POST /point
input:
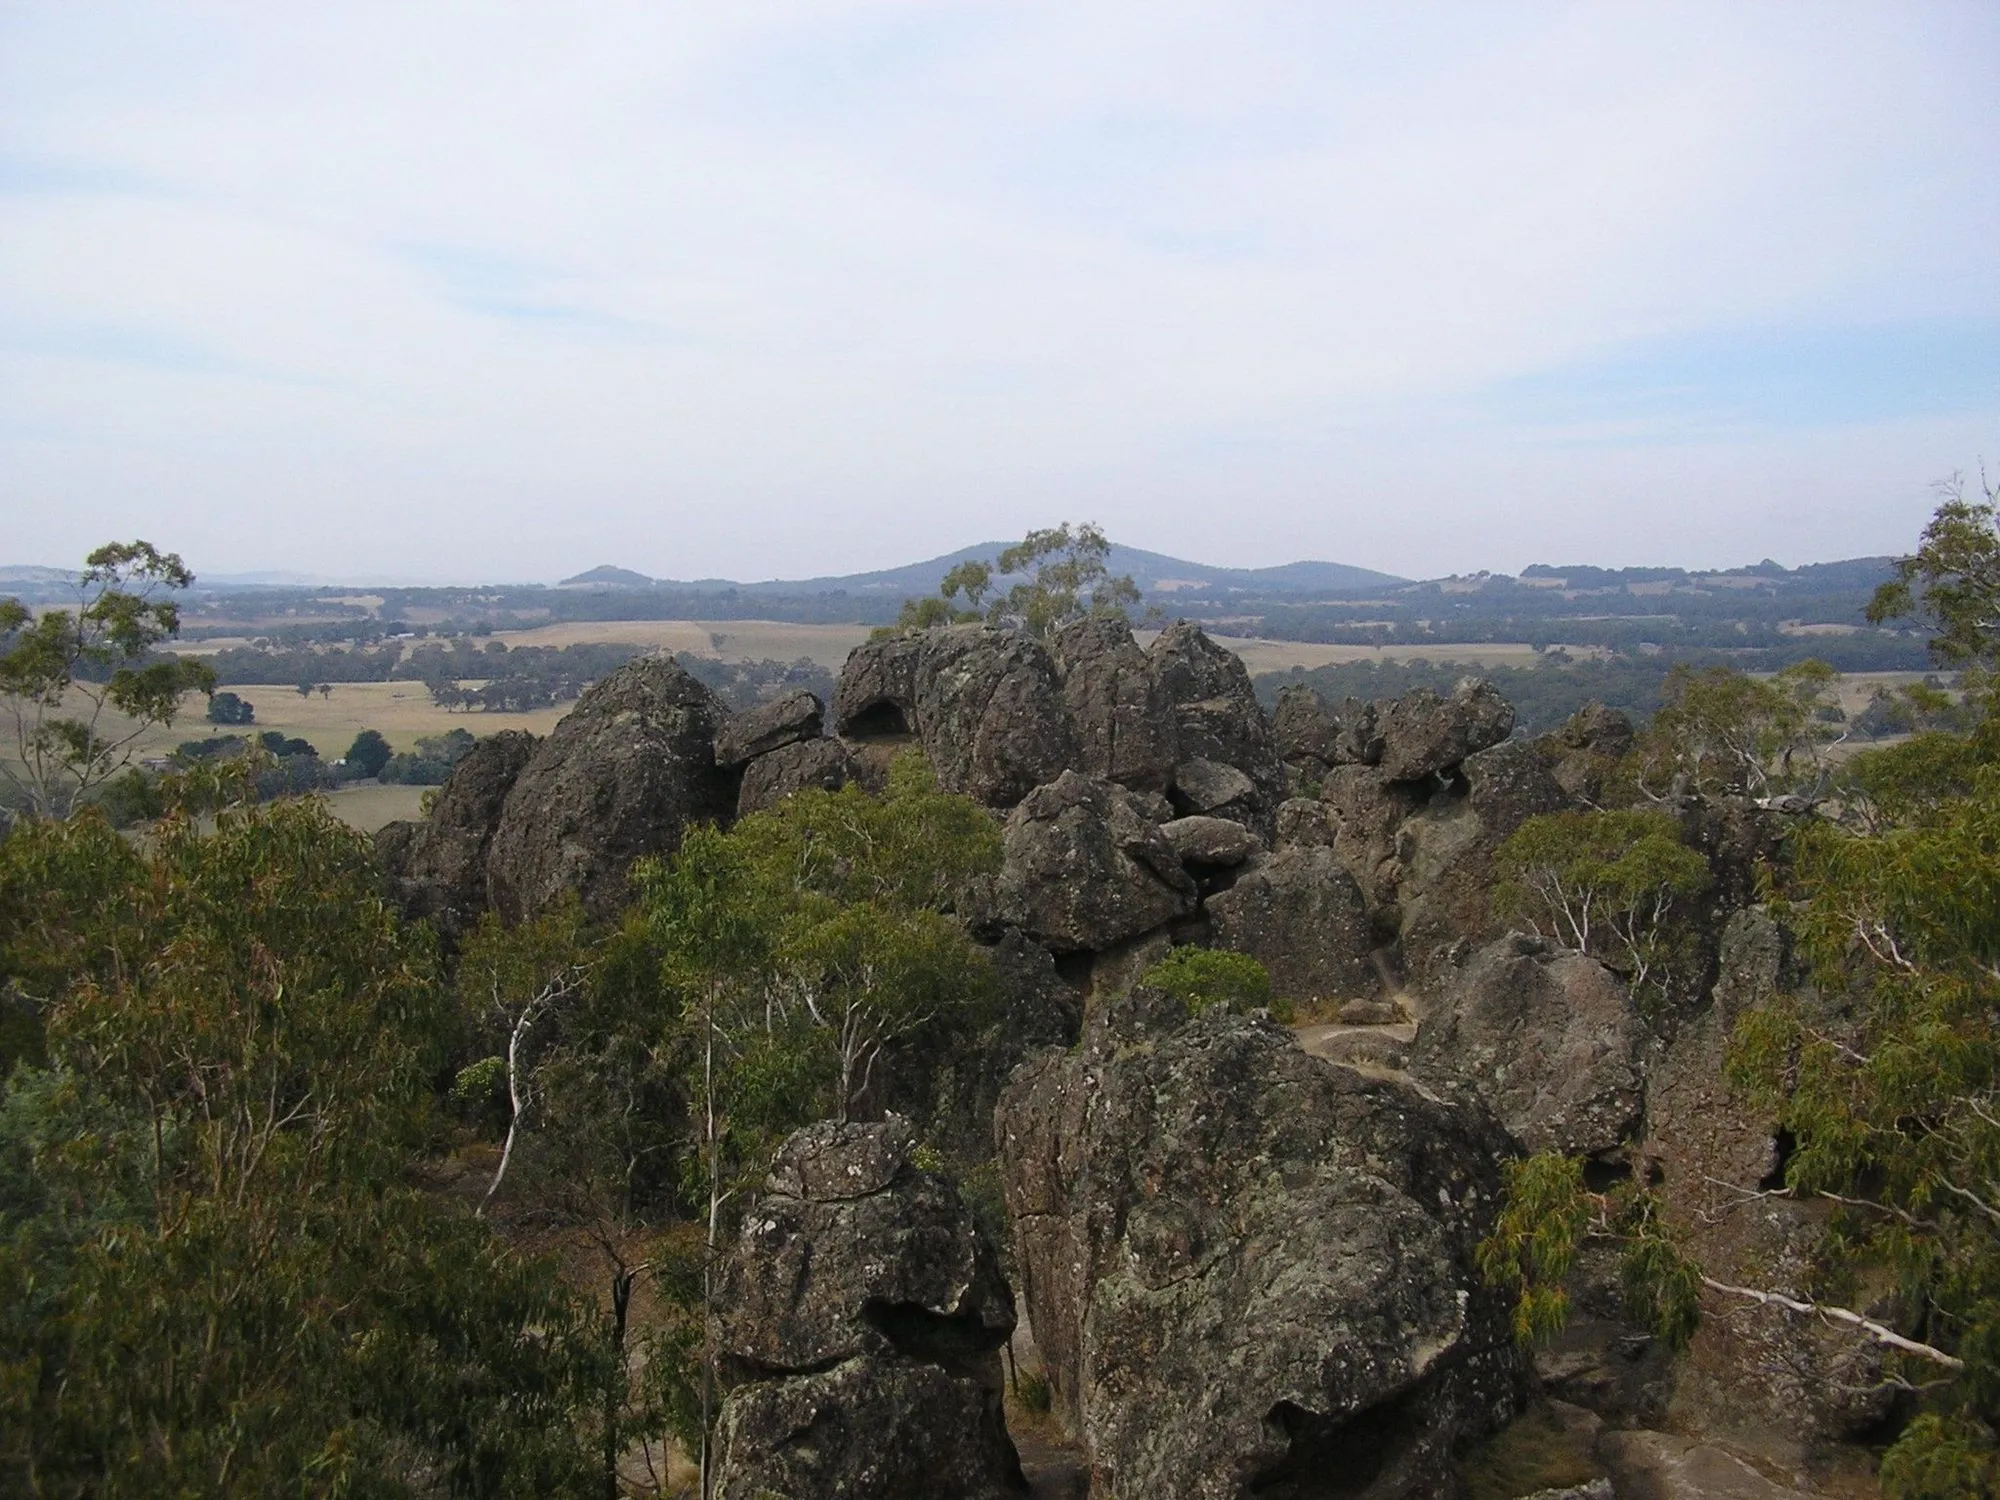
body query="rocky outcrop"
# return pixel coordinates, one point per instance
(1710, 1152)
(1300, 914)
(991, 714)
(769, 726)
(877, 691)
(1086, 868)
(1423, 734)
(1249, 1269)
(1549, 1040)
(863, 1312)
(1444, 858)
(1122, 716)
(1211, 841)
(621, 776)
(809, 765)
(1368, 810)
(437, 868)
(1306, 732)
(1219, 718)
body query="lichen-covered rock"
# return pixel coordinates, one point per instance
(623, 773)
(1369, 809)
(1308, 823)
(863, 1312)
(877, 691)
(1549, 1040)
(1215, 788)
(1300, 914)
(436, 868)
(1306, 731)
(1423, 733)
(1123, 717)
(809, 765)
(1085, 868)
(870, 1428)
(991, 714)
(1211, 841)
(1250, 1270)
(1218, 716)
(758, 731)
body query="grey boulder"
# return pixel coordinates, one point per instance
(1549, 1040)
(621, 776)
(1122, 714)
(809, 765)
(436, 868)
(1423, 734)
(1211, 841)
(758, 731)
(1085, 868)
(1301, 915)
(1249, 1269)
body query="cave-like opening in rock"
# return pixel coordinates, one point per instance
(878, 721)
(1337, 1458)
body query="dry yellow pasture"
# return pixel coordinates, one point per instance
(368, 805)
(741, 640)
(1281, 656)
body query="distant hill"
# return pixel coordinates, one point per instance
(607, 576)
(1154, 572)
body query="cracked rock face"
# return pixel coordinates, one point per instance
(1125, 728)
(1423, 734)
(863, 1314)
(807, 765)
(1251, 1270)
(1301, 915)
(437, 867)
(758, 731)
(1086, 868)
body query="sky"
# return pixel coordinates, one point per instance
(503, 290)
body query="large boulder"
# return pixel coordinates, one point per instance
(436, 868)
(1085, 867)
(1123, 718)
(627, 769)
(1300, 914)
(991, 713)
(1549, 1040)
(1218, 716)
(808, 765)
(877, 691)
(1250, 1270)
(1211, 841)
(1306, 731)
(863, 1310)
(758, 731)
(1423, 734)
(1368, 810)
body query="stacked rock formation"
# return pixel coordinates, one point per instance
(863, 1314)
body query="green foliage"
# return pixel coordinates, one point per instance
(1603, 882)
(1062, 575)
(214, 1282)
(1205, 978)
(227, 708)
(81, 685)
(1719, 731)
(368, 754)
(479, 1095)
(1952, 581)
(1547, 1211)
(432, 762)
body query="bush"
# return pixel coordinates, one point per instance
(368, 754)
(227, 708)
(1204, 978)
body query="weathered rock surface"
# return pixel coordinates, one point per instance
(1300, 914)
(1757, 1371)
(863, 1312)
(1213, 787)
(1307, 823)
(624, 772)
(1306, 731)
(868, 1429)
(436, 868)
(1664, 1466)
(808, 765)
(991, 714)
(758, 731)
(877, 690)
(1218, 716)
(1211, 841)
(1122, 715)
(1085, 868)
(1368, 810)
(1250, 1270)
(1423, 733)
(1549, 1040)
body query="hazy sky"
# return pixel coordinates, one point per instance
(505, 290)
